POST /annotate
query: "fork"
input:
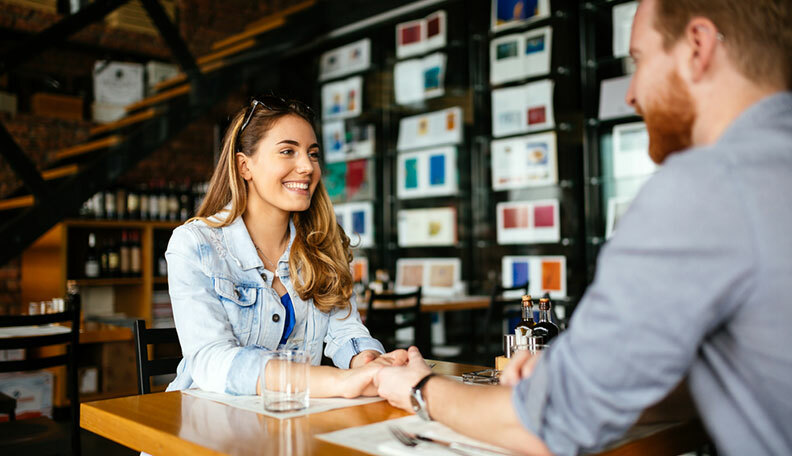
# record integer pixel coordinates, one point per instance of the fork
(409, 439)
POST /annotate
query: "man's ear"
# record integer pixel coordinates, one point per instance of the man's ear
(242, 166)
(701, 37)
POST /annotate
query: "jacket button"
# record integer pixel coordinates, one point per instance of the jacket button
(275, 318)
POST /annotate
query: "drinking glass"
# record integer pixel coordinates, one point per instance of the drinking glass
(285, 389)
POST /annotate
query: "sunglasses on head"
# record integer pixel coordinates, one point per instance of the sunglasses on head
(273, 103)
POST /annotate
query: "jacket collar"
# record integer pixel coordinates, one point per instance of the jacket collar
(240, 246)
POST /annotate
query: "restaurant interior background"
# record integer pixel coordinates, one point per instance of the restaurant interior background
(462, 151)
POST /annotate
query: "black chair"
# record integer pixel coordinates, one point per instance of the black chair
(381, 320)
(41, 435)
(150, 367)
(500, 308)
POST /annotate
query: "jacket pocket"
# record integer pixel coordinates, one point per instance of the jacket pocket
(239, 303)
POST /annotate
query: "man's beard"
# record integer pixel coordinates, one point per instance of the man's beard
(669, 119)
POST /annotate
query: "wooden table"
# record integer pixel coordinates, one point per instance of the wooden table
(434, 304)
(173, 423)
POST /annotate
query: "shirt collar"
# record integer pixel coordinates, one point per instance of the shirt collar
(241, 247)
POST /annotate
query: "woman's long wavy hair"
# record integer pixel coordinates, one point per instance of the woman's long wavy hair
(320, 253)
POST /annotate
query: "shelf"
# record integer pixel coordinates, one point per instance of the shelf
(121, 224)
(109, 281)
(159, 280)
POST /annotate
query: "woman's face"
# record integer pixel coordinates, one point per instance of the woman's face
(284, 170)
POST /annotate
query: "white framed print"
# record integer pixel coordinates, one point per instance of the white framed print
(427, 173)
(544, 274)
(506, 58)
(440, 277)
(622, 15)
(357, 220)
(342, 99)
(631, 151)
(347, 140)
(512, 13)
(427, 227)
(524, 161)
(351, 58)
(528, 222)
(612, 103)
(523, 109)
(436, 128)
(416, 80)
(537, 51)
(420, 36)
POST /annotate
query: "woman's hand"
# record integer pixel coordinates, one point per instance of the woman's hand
(394, 358)
(358, 381)
(521, 366)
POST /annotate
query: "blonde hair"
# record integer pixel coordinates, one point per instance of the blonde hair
(320, 253)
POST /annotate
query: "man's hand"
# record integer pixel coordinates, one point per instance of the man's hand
(395, 383)
(521, 366)
(394, 358)
(358, 381)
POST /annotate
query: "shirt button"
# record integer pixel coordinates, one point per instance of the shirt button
(275, 318)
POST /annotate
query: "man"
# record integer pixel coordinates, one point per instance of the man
(694, 285)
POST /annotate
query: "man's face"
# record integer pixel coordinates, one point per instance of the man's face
(657, 92)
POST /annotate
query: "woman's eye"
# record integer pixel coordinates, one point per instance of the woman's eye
(287, 151)
(315, 155)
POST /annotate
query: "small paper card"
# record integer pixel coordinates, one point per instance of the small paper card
(437, 128)
(419, 79)
(520, 55)
(525, 161)
(357, 220)
(523, 108)
(527, 222)
(617, 206)
(438, 276)
(623, 15)
(612, 98)
(427, 173)
(347, 140)
(348, 59)
(631, 151)
(545, 274)
(512, 13)
(342, 99)
(427, 227)
(421, 36)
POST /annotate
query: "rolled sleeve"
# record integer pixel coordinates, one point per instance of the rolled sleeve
(343, 356)
(245, 370)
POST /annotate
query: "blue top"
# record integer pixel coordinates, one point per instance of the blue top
(288, 324)
(696, 281)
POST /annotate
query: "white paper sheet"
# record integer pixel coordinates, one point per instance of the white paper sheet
(342, 99)
(631, 151)
(523, 108)
(537, 50)
(612, 98)
(527, 222)
(420, 36)
(431, 129)
(427, 227)
(506, 58)
(357, 220)
(524, 161)
(348, 59)
(427, 173)
(622, 15)
(439, 277)
(24, 331)
(376, 438)
(408, 81)
(546, 274)
(256, 404)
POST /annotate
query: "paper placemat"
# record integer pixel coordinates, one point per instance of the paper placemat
(255, 403)
(377, 439)
(23, 331)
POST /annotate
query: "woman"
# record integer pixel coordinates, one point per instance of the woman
(264, 265)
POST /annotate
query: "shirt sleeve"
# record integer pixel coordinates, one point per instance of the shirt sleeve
(346, 337)
(216, 359)
(678, 265)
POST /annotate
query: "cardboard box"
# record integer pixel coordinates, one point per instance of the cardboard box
(118, 83)
(64, 107)
(32, 390)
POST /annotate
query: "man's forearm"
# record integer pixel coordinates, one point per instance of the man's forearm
(456, 405)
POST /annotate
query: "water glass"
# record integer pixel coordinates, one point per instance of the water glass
(284, 379)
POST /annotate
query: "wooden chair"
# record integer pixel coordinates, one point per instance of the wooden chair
(41, 435)
(150, 367)
(500, 308)
(381, 320)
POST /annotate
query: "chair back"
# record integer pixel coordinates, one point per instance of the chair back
(381, 319)
(32, 331)
(150, 367)
(497, 312)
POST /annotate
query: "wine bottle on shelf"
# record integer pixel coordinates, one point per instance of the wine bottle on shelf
(184, 200)
(173, 201)
(527, 324)
(163, 201)
(133, 204)
(144, 202)
(134, 254)
(98, 205)
(124, 254)
(544, 327)
(91, 258)
(104, 264)
(110, 204)
(113, 259)
(121, 203)
(153, 202)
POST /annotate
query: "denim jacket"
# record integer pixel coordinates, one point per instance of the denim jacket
(227, 313)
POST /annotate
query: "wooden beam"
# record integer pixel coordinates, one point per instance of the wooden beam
(159, 98)
(90, 146)
(181, 77)
(226, 52)
(125, 122)
(56, 173)
(270, 24)
(16, 203)
(285, 12)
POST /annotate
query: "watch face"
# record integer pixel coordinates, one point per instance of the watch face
(416, 406)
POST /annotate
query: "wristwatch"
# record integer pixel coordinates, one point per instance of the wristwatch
(417, 400)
